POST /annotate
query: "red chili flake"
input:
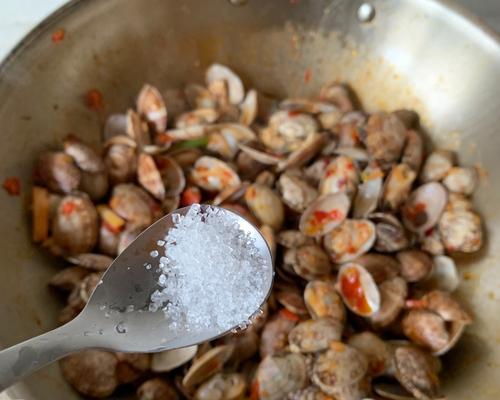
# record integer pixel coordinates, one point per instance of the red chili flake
(351, 288)
(307, 75)
(68, 208)
(58, 36)
(254, 390)
(350, 165)
(416, 304)
(251, 193)
(414, 212)
(163, 139)
(287, 314)
(12, 185)
(190, 196)
(93, 99)
(293, 113)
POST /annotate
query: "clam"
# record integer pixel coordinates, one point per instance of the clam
(392, 391)
(391, 235)
(446, 306)
(266, 205)
(432, 243)
(246, 344)
(444, 275)
(58, 172)
(256, 153)
(149, 177)
(340, 370)
(231, 194)
(131, 366)
(274, 336)
(194, 132)
(75, 226)
(292, 238)
(393, 293)
(172, 176)
(354, 153)
(156, 389)
(223, 386)
(426, 329)
(461, 231)
(207, 365)
(214, 175)
(185, 158)
(324, 214)
(68, 278)
(309, 393)
(311, 262)
(266, 178)
(99, 262)
(338, 95)
(416, 265)
(308, 106)
(151, 106)
(304, 153)
(424, 207)
(461, 180)
(137, 129)
(295, 192)
(351, 129)
(248, 108)
(131, 203)
(322, 300)
(218, 72)
(378, 353)
(358, 290)
(194, 119)
(108, 241)
(329, 120)
(293, 301)
(280, 374)
(286, 131)
(397, 186)
(369, 192)
(224, 138)
(198, 96)
(408, 117)
(165, 361)
(385, 137)
(315, 335)
(121, 163)
(84, 156)
(437, 165)
(349, 240)
(127, 237)
(380, 266)
(340, 176)
(248, 167)
(315, 172)
(458, 202)
(413, 152)
(91, 372)
(416, 373)
(96, 185)
(116, 124)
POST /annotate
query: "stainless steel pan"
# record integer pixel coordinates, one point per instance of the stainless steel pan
(422, 54)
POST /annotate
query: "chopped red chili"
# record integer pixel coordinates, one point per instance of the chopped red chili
(12, 185)
(353, 291)
(58, 36)
(94, 100)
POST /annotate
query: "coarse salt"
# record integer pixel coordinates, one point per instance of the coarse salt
(212, 274)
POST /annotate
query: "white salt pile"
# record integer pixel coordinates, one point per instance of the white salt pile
(212, 274)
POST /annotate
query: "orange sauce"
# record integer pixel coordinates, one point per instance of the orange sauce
(353, 291)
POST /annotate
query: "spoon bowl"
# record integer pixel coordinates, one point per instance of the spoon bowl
(117, 315)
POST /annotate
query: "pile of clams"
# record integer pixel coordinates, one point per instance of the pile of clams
(361, 219)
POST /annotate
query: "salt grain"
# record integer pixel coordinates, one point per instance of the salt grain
(213, 276)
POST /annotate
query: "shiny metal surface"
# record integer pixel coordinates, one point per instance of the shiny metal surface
(422, 54)
(116, 316)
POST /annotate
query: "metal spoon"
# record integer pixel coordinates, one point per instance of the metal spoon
(108, 321)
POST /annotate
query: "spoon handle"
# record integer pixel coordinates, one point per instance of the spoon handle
(25, 358)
